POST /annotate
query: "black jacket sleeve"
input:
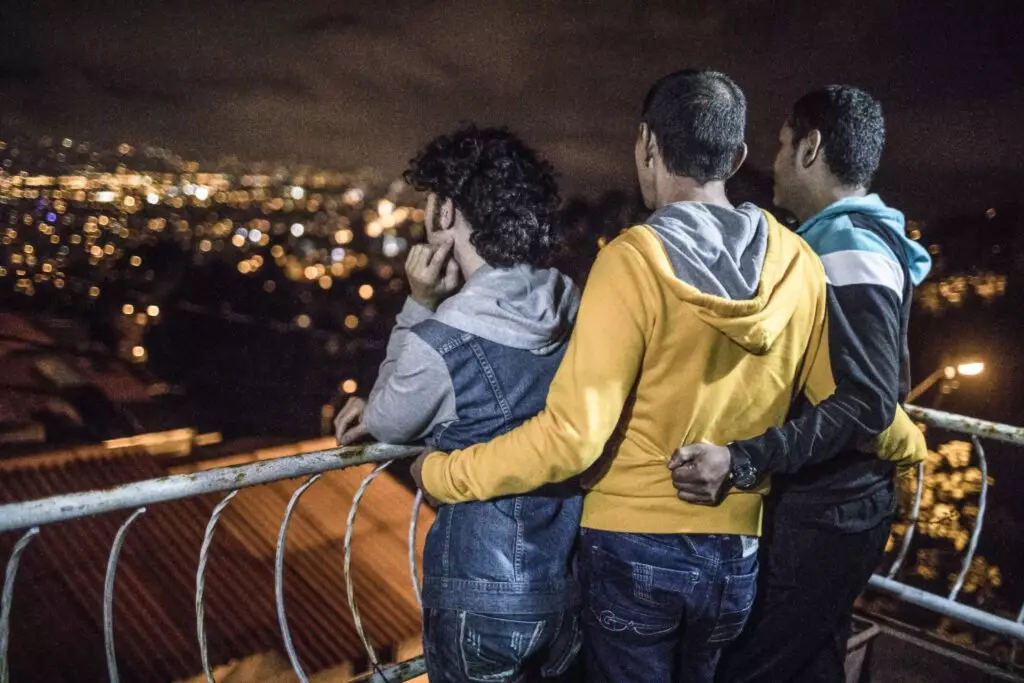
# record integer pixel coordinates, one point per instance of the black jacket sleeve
(864, 350)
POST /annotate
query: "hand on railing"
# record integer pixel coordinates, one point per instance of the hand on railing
(348, 423)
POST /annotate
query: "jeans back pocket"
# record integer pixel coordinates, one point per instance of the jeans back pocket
(636, 597)
(738, 594)
(566, 644)
(496, 649)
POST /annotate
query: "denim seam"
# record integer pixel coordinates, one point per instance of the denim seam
(640, 539)
(517, 562)
(447, 546)
(452, 344)
(492, 380)
(560, 665)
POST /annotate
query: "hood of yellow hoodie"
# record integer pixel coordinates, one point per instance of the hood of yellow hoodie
(739, 268)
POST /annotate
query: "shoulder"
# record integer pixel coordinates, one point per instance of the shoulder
(853, 253)
(438, 336)
(850, 232)
(633, 257)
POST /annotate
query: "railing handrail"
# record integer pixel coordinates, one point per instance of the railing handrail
(984, 429)
(178, 486)
(136, 494)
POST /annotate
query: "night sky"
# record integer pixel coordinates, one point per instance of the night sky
(364, 83)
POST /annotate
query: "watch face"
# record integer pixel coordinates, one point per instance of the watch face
(744, 476)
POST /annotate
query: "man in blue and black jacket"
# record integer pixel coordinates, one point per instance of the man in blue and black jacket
(833, 500)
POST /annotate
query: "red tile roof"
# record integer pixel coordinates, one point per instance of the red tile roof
(57, 613)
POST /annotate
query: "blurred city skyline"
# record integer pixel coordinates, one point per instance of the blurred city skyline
(363, 86)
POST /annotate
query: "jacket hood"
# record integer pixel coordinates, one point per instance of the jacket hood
(737, 267)
(918, 260)
(521, 307)
(716, 249)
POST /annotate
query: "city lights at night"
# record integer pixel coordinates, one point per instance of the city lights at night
(504, 340)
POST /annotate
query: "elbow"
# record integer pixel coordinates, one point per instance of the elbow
(881, 414)
(586, 452)
(384, 430)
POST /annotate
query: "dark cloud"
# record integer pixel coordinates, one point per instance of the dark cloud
(368, 83)
(175, 88)
(329, 22)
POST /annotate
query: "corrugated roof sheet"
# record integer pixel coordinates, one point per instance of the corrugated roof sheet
(57, 614)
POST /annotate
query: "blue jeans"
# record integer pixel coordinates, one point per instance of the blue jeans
(463, 647)
(659, 608)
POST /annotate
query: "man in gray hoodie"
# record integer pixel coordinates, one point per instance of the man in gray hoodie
(463, 366)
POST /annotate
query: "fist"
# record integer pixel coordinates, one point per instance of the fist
(700, 473)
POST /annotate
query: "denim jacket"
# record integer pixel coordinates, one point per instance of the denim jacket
(511, 555)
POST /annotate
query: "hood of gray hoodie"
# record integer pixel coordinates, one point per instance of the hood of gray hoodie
(521, 307)
(717, 250)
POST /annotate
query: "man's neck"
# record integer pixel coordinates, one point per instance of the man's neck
(827, 196)
(689, 190)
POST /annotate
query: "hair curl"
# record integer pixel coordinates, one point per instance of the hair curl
(506, 191)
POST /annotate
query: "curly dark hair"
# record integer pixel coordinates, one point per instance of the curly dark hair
(506, 191)
(852, 130)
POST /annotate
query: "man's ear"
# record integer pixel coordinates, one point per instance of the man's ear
(737, 160)
(649, 144)
(809, 148)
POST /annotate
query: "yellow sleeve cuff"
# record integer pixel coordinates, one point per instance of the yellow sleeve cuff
(434, 477)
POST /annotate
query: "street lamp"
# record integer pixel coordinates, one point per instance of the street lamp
(970, 368)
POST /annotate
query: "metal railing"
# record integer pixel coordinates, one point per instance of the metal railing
(35, 514)
(32, 515)
(947, 605)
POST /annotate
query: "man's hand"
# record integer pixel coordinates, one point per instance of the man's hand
(433, 276)
(417, 476)
(348, 423)
(700, 473)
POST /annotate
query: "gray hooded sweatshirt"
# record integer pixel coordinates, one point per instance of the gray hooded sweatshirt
(521, 307)
(718, 250)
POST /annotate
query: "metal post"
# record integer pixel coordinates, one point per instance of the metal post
(8, 597)
(908, 536)
(204, 554)
(926, 384)
(978, 522)
(282, 541)
(943, 605)
(108, 595)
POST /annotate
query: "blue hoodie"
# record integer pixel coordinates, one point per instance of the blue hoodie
(871, 269)
(832, 230)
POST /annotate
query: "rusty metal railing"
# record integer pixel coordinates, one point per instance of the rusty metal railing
(947, 605)
(33, 516)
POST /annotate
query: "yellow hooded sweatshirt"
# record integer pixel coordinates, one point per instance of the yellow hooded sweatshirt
(655, 363)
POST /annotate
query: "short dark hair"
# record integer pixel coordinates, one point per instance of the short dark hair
(699, 118)
(852, 130)
(506, 191)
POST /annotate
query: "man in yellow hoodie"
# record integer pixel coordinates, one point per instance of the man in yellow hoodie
(702, 324)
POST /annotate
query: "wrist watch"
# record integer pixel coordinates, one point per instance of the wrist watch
(741, 471)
